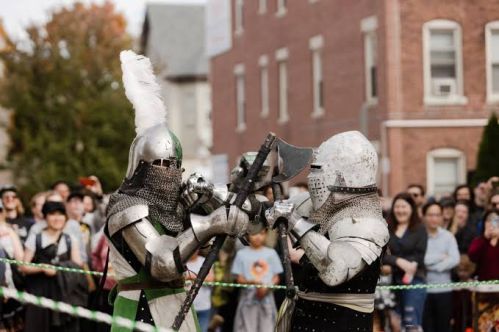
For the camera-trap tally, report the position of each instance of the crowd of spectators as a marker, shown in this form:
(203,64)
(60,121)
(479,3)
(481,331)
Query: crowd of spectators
(433,240)
(438,240)
(63,228)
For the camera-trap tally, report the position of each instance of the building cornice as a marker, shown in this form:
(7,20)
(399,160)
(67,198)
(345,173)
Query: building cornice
(435,123)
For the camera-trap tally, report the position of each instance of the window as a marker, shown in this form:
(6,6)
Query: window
(316,44)
(369,26)
(281,7)
(239,17)
(443,68)
(446,168)
(282,57)
(262,6)
(240,98)
(264,85)
(492,59)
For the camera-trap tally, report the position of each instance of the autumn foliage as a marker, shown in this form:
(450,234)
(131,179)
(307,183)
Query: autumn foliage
(70,116)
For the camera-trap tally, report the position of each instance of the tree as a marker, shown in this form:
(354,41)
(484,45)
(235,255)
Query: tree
(488,153)
(70,116)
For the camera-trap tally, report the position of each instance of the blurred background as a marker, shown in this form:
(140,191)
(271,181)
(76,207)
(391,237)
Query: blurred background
(419,78)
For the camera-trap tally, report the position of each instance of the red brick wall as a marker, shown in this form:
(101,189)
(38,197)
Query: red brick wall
(343,63)
(472,16)
(409,147)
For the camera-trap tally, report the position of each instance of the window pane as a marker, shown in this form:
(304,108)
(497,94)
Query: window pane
(374,89)
(443,57)
(443,71)
(494,45)
(495,78)
(442,39)
(445,175)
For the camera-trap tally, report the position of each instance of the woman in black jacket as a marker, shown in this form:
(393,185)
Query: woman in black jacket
(406,251)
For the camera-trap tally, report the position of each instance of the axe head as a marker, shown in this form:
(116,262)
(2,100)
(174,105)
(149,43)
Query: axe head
(291,160)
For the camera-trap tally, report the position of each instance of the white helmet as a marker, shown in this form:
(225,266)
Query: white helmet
(346,160)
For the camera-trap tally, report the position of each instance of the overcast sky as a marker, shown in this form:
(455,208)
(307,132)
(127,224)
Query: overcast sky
(16,14)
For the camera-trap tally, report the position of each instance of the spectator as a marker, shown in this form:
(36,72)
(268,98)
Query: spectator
(417,192)
(53,196)
(62,188)
(12,315)
(407,246)
(11,203)
(95,203)
(463,193)
(463,230)
(441,257)
(256,264)
(484,250)
(88,203)
(72,227)
(481,195)
(36,204)
(75,211)
(99,258)
(51,246)
(224,299)
(202,302)
(493,202)
(448,204)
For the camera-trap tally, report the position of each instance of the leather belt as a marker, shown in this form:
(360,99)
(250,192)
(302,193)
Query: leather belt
(152,284)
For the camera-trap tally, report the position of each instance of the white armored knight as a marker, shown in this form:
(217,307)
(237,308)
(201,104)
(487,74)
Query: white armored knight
(150,233)
(340,227)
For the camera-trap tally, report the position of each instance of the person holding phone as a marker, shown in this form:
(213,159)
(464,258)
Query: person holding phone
(484,250)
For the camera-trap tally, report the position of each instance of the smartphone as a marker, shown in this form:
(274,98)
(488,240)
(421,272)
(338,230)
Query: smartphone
(87,182)
(495,222)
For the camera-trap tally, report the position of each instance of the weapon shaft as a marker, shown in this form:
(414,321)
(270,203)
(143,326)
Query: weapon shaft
(283,241)
(212,256)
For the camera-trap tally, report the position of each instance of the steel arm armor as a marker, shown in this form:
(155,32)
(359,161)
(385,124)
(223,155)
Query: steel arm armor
(165,256)
(352,243)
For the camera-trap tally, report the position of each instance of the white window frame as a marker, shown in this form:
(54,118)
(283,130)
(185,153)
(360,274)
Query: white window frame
(262,7)
(458,98)
(444,153)
(316,44)
(492,98)
(281,57)
(240,98)
(263,63)
(369,27)
(239,17)
(282,8)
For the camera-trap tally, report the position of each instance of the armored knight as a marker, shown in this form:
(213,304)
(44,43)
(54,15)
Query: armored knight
(340,227)
(150,233)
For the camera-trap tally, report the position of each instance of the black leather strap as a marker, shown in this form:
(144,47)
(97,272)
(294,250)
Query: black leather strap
(353,190)
(178,261)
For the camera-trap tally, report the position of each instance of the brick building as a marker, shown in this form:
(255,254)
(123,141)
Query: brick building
(418,77)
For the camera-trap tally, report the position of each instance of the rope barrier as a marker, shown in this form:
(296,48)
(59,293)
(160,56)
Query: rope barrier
(78,311)
(236,285)
(48,266)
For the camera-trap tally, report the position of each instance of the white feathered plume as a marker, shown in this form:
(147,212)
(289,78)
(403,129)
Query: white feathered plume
(143,91)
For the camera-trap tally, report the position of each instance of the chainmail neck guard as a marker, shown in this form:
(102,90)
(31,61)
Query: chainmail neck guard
(353,206)
(159,188)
